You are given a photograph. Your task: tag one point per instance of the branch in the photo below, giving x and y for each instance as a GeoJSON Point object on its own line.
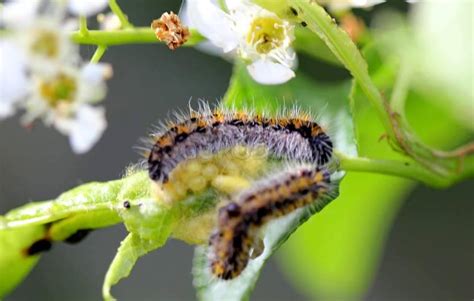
{"type": "Point", "coordinates": [83, 26]}
{"type": "Point", "coordinates": [136, 35]}
{"type": "Point", "coordinates": [99, 52]}
{"type": "Point", "coordinates": [404, 169]}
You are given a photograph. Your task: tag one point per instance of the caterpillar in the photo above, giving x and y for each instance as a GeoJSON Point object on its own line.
{"type": "Point", "coordinates": [233, 233]}
{"type": "Point", "coordinates": [291, 136]}
{"type": "Point", "coordinates": [295, 137]}
{"type": "Point", "coordinates": [239, 221]}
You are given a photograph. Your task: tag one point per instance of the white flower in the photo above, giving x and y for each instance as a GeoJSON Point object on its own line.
{"type": "Point", "coordinates": [19, 13]}
{"type": "Point", "coordinates": [47, 46]}
{"type": "Point", "coordinates": [86, 7]}
{"type": "Point", "coordinates": [257, 35]}
{"type": "Point", "coordinates": [337, 5]}
{"type": "Point", "coordinates": [109, 21]}
{"type": "Point", "coordinates": [85, 129]}
{"type": "Point", "coordinates": [42, 36]}
{"type": "Point", "coordinates": [63, 100]}
{"type": "Point", "coordinates": [40, 71]}
{"type": "Point", "coordinates": [13, 79]}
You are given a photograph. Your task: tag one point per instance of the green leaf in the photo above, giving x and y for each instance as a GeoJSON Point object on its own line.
{"type": "Point", "coordinates": [335, 255]}
{"type": "Point", "coordinates": [329, 102]}
{"type": "Point", "coordinates": [88, 206]}
{"type": "Point", "coordinates": [14, 263]}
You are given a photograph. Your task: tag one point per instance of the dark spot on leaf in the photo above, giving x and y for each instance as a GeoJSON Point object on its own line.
{"type": "Point", "coordinates": [78, 236]}
{"type": "Point", "coordinates": [39, 246]}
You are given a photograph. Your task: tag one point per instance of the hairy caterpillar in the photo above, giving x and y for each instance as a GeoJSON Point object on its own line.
{"type": "Point", "coordinates": [293, 137]}
{"type": "Point", "coordinates": [204, 161]}
{"type": "Point", "coordinates": [239, 220]}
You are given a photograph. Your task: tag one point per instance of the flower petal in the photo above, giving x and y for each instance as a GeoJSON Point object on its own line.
{"type": "Point", "coordinates": [87, 129]}
{"type": "Point", "coordinates": [92, 88]}
{"type": "Point", "coordinates": [212, 22]}
{"type": "Point", "coordinates": [13, 79]}
{"type": "Point", "coordinates": [270, 73]}
{"type": "Point", "coordinates": [340, 5]}
{"type": "Point", "coordinates": [86, 7]}
{"type": "Point", "coordinates": [96, 73]}
{"type": "Point", "coordinates": [19, 13]}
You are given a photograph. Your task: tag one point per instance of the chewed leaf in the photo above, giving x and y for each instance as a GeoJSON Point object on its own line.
{"type": "Point", "coordinates": [90, 197]}
{"type": "Point", "coordinates": [89, 206]}
{"type": "Point", "coordinates": [14, 263]}
{"type": "Point", "coordinates": [275, 234]}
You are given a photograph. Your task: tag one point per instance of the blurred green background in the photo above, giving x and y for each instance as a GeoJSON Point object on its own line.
{"type": "Point", "coordinates": [428, 255]}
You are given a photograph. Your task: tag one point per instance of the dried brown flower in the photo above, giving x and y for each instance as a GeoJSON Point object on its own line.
{"type": "Point", "coordinates": [168, 29]}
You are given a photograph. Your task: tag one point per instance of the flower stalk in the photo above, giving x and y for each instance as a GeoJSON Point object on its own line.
{"type": "Point", "coordinates": [404, 169]}
{"type": "Point", "coordinates": [99, 52]}
{"type": "Point", "coordinates": [83, 26]}
{"type": "Point", "coordinates": [136, 35]}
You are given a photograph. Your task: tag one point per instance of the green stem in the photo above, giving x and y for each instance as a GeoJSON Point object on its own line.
{"type": "Point", "coordinates": [99, 52]}
{"type": "Point", "coordinates": [115, 8]}
{"type": "Point", "coordinates": [347, 52]}
{"type": "Point", "coordinates": [83, 26]}
{"type": "Point", "coordinates": [136, 35]}
{"type": "Point", "coordinates": [404, 169]}
{"type": "Point", "coordinates": [397, 130]}
{"type": "Point", "coordinates": [400, 90]}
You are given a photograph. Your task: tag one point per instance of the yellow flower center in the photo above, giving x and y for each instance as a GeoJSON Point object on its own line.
{"type": "Point", "coordinates": [57, 90]}
{"type": "Point", "coordinates": [266, 34]}
{"type": "Point", "coordinates": [46, 44]}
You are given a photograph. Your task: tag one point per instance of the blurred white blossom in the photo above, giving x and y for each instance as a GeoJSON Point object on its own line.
{"type": "Point", "coordinates": [85, 129]}
{"type": "Point", "coordinates": [60, 101]}
{"type": "Point", "coordinates": [14, 82]}
{"type": "Point", "coordinates": [337, 5]}
{"type": "Point", "coordinates": [258, 36]}
{"type": "Point", "coordinates": [19, 13]}
{"type": "Point", "coordinates": [87, 7]}
{"type": "Point", "coordinates": [42, 72]}
{"type": "Point", "coordinates": [109, 21]}
{"type": "Point", "coordinates": [47, 46]}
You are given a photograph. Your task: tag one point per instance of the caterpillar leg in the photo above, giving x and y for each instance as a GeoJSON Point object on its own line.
{"type": "Point", "coordinates": [236, 237]}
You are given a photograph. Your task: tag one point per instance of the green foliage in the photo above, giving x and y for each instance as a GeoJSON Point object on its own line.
{"type": "Point", "coordinates": [88, 206]}
{"type": "Point", "coordinates": [14, 263]}
{"type": "Point", "coordinates": [335, 254]}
